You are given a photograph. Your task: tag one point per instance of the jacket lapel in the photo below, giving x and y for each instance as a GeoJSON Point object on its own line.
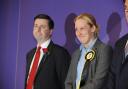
{"type": "Point", "coordinates": [29, 60]}
{"type": "Point", "coordinates": [45, 57]}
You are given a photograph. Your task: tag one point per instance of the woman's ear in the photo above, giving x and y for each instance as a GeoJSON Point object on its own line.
{"type": "Point", "coordinates": [93, 29]}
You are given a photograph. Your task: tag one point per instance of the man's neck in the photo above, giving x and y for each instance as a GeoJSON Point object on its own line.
{"type": "Point", "coordinates": [43, 42]}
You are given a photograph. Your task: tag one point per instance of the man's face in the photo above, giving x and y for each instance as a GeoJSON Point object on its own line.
{"type": "Point", "coordinates": [84, 32]}
{"type": "Point", "coordinates": [126, 9]}
{"type": "Point", "coordinates": [41, 30]}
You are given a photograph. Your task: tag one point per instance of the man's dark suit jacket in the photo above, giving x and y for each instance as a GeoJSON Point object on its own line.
{"type": "Point", "coordinates": [53, 68]}
{"type": "Point", "coordinates": [118, 75]}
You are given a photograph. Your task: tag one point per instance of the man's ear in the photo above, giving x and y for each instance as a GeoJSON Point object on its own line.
{"type": "Point", "coordinates": [51, 30]}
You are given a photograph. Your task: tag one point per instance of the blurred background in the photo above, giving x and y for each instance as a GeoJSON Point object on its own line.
{"type": "Point", "coordinates": [16, 25]}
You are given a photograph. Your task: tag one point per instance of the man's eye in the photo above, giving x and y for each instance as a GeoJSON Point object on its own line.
{"type": "Point", "coordinates": [35, 26]}
{"type": "Point", "coordinates": [126, 10]}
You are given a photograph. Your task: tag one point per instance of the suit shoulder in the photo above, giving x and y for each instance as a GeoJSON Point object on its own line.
{"type": "Point", "coordinates": [59, 48]}
{"type": "Point", "coordinates": [107, 46]}
{"type": "Point", "coordinates": [122, 38]}
{"type": "Point", "coordinates": [60, 53]}
{"type": "Point", "coordinates": [103, 45]}
{"type": "Point", "coordinates": [76, 51]}
{"type": "Point", "coordinates": [121, 42]}
{"type": "Point", "coordinates": [31, 51]}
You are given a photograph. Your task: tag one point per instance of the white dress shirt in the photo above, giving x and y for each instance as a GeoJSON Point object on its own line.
{"type": "Point", "coordinates": [43, 45]}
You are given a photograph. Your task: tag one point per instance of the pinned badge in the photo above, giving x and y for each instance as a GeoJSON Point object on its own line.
{"type": "Point", "coordinates": [90, 55]}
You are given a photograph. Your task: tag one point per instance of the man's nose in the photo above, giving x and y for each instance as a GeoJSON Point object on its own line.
{"type": "Point", "coordinates": [39, 29]}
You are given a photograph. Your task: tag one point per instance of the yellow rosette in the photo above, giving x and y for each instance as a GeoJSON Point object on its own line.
{"type": "Point", "coordinates": [90, 55]}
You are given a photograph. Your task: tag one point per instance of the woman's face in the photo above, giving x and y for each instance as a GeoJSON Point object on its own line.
{"type": "Point", "coordinates": [84, 31]}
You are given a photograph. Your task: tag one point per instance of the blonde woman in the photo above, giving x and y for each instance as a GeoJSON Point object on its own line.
{"type": "Point", "coordinates": [90, 62]}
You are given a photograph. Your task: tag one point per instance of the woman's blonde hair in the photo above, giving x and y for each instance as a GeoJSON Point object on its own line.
{"type": "Point", "coordinates": [90, 20]}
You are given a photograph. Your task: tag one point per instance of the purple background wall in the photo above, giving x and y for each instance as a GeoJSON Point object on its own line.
{"type": "Point", "coordinates": [16, 23]}
{"type": "Point", "coordinates": [8, 46]}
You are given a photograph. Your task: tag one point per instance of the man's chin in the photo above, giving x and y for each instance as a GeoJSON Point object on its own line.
{"type": "Point", "coordinates": [39, 40]}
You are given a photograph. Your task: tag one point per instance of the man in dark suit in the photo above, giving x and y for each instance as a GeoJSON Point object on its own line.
{"type": "Point", "coordinates": [48, 63]}
{"type": "Point", "coordinates": [90, 63]}
{"type": "Point", "coordinates": [118, 75]}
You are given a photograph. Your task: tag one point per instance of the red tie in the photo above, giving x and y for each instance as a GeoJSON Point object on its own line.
{"type": "Point", "coordinates": [33, 69]}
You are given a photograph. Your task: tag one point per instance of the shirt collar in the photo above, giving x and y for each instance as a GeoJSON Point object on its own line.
{"type": "Point", "coordinates": [90, 44]}
{"type": "Point", "coordinates": [45, 44]}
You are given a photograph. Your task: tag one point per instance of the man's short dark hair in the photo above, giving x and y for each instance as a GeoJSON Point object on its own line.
{"type": "Point", "coordinates": [44, 16]}
{"type": "Point", "coordinates": [124, 1]}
